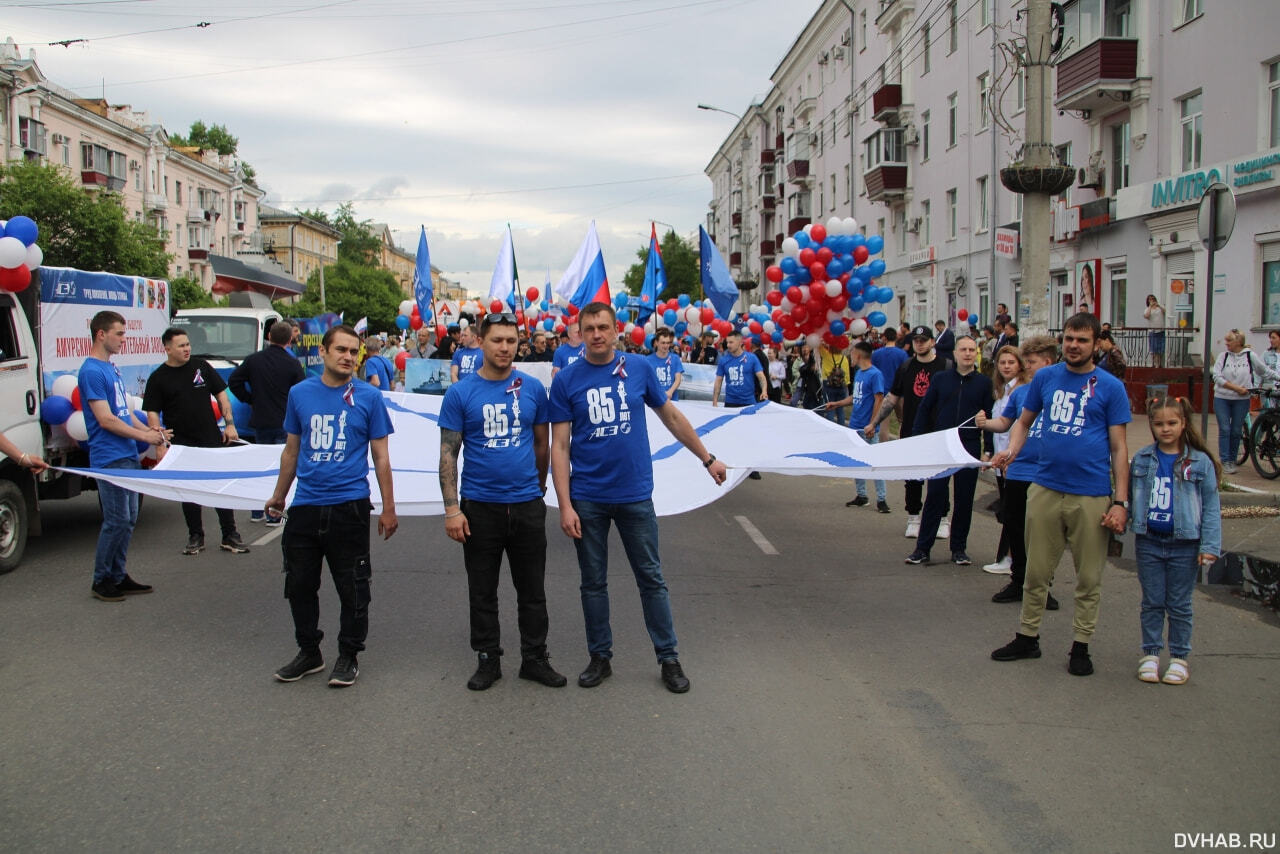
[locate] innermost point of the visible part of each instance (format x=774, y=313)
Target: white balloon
x=76, y=427
x=406, y=307
x=790, y=247
x=806, y=228
x=835, y=225
x=135, y=403
x=464, y=323
x=627, y=329
x=695, y=328
x=813, y=339
x=13, y=252
x=850, y=225
x=786, y=305
x=834, y=287
x=858, y=327
x=64, y=385
x=769, y=326
x=35, y=257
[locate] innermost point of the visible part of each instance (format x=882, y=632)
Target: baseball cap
x=922, y=332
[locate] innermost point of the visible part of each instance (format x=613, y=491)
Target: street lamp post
x=719, y=110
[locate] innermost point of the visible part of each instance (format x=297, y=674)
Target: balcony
x=885, y=154
x=886, y=182
x=805, y=107
x=155, y=201
x=194, y=254
x=95, y=178
x=1105, y=68
x=766, y=248
x=886, y=103
x=735, y=219
x=893, y=13
x=768, y=202
x=798, y=171
x=198, y=214
x=735, y=259
x=767, y=156
x=797, y=223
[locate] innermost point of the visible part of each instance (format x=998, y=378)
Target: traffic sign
x=1217, y=217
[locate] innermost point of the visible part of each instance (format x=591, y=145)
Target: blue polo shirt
x=1028, y=461
x=335, y=426
x=382, y=367
x=867, y=383
x=496, y=420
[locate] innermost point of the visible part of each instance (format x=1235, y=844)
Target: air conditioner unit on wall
x=913, y=225
x=58, y=139
x=838, y=53
x=910, y=135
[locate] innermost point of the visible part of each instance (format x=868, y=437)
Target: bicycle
x=1264, y=436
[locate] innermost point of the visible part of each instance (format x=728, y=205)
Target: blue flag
x=717, y=284
x=655, y=278
x=422, y=291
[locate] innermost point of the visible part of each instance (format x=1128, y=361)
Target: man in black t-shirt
x=910, y=385
x=178, y=393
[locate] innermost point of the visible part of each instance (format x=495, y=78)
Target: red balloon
x=747, y=344
x=622, y=327
x=637, y=335
x=531, y=295
x=495, y=307
x=829, y=340
x=777, y=314
x=825, y=255
x=415, y=322
x=860, y=254
x=559, y=328
x=817, y=290
x=440, y=330
x=842, y=342
x=75, y=397
x=401, y=358
x=15, y=279
x=963, y=314
x=755, y=327
x=807, y=256
x=217, y=413
x=706, y=315
x=799, y=314
x=819, y=272
x=773, y=297
x=573, y=310
x=818, y=233
x=838, y=303
x=795, y=295
x=773, y=273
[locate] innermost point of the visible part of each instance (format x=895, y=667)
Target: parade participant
x=945, y=345
x=378, y=372
x=1010, y=371
x=705, y=353
x=539, y=352
x=889, y=358
x=954, y=398
x=1071, y=503
x=27, y=461
x=666, y=363
x=499, y=418
x=1177, y=530
x=468, y=357
x=741, y=370
x=424, y=346
x=334, y=424
x=114, y=432
x=570, y=350
x=599, y=430
x=866, y=395
x=448, y=344
x=177, y=395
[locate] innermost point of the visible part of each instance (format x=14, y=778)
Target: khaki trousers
x=1056, y=520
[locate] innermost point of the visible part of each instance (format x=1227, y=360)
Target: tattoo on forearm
x=450, y=443
x=885, y=409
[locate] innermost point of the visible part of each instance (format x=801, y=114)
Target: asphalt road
x=841, y=701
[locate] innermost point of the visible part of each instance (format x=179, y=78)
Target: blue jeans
x=638, y=527
x=119, y=515
x=861, y=485
x=1230, y=415
x=1167, y=571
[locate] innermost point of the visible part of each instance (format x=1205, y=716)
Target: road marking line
x=756, y=537
x=268, y=536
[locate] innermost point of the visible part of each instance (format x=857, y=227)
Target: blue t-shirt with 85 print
x=666, y=367
x=1160, y=502
x=1028, y=462
x=468, y=360
x=335, y=426
x=739, y=374
x=1078, y=410
x=496, y=419
x=605, y=404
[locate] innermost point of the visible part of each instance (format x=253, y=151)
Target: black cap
x=922, y=332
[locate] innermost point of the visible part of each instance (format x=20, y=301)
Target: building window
x=821, y=198
x=900, y=226
x=951, y=214
x=984, y=94
x=1020, y=90
x=953, y=121
x=1119, y=295
x=1189, y=9
x=924, y=135
x=953, y=28
x=66, y=160
x=177, y=192
x=987, y=13
x=32, y=137
x=1119, y=156
x=862, y=30
x=1190, y=118
x=1273, y=98
x=799, y=206
x=982, y=203
x=1271, y=284
x=833, y=191
x=848, y=183
x=926, y=232
x=1064, y=157
x=1017, y=207
x=1118, y=21
x=927, y=63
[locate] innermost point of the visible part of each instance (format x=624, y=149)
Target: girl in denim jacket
x=1177, y=521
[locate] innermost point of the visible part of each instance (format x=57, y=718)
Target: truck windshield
x=221, y=337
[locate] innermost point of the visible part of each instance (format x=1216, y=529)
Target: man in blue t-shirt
x=114, y=433
x=598, y=427
x=866, y=393
x=1083, y=412
x=889, y=357
x=468, y=357
x=666, y=363
x=333, y=423
x=739, y=372
x=378, y=371
x=570, y=350
x=500, y=417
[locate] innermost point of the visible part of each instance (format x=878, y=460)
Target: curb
x=1229, y=499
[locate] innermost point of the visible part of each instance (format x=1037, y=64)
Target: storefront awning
x=232, y=275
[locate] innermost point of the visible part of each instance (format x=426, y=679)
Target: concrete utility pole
x=1038, y=152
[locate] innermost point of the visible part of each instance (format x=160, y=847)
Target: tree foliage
x=187, y=292
x=359, y=244
x=679, y=259
x=207, y=138
x=354, y=291
x=88, y=231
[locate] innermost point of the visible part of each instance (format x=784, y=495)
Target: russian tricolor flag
x=585, y=280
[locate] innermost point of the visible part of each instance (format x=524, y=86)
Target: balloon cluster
x=964, y=315
x=683, y=315
x=825, y=287
x=19, y=254
x=62, y=407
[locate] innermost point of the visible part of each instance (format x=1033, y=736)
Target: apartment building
x=298, y=243
x=901, y=113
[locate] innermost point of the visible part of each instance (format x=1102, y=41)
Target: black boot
x=488, y=671
x=1079, y=664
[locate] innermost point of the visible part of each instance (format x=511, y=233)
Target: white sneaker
x=1228, y=468
x=944, y=528
x=1004, y=566
x=913, y=527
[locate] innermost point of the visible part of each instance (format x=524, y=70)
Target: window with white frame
x=1119, y=295
x=981, y=190
x=1188, y=9
x=953, y=119
x=900, y=228
x=1190, y=120
x=832, y=200
x=1020, y=90
x=1119, y=156
x=799, y=206
x=926, y=232
x=986, y=12
x=1273, y=101
x=848, y=185
x=952, y=214
x=926, y=63
x=862, y=30
x=953, y=27
x=984, y=95
x=924, y=135
x=819, y=208
x=1064, y=157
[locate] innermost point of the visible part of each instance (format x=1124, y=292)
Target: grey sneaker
x=195, y=544
x=232, y=543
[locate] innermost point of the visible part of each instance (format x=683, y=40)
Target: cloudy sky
x=462, y=115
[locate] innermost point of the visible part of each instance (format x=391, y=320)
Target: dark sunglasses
x=500, y=317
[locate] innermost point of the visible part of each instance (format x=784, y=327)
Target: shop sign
x=1006, y=245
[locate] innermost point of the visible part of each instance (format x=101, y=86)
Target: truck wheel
x=13, y=526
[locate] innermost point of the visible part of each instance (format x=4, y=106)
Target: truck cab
x=20, y=422
x=226, y=336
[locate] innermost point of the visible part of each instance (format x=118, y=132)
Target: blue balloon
x=803, y=277
x=620, y=300
x=549, y=324
x=683, y=300
x=863, y=273
x=544, y=305
x=788, y=265
x=877, y=318
x=624, y=316
x=834, y=268
x=402, y=322
x=669, y=317
x=854, y=287
x=875, y=244
x=24, y=228
x=680, y=328
x=837, y=327
x=877, y=268
x=974, y=321
x=857, y=240
x=886, y=295
x=803, y=239
x=648, y=341
x=856, y=303
x=56, y=409
x=777, y=337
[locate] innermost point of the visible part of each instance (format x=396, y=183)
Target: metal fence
x=1135, y=343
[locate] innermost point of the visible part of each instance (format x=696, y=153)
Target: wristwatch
x=1124, y=504
x=710, y=459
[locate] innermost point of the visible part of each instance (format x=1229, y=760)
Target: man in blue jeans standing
x=598, y=426
x=114, y=432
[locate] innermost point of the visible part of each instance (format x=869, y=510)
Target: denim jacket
x=1197, y=513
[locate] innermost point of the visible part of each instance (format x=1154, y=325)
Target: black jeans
x=519, y=530
x=1015, y=527
x=339, y=534
x=195, y=524
x=964, y=484
x=915, y=496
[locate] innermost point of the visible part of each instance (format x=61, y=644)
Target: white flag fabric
x=766, y=437
x=504, y=272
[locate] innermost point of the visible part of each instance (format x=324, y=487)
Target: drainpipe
x=993, y=182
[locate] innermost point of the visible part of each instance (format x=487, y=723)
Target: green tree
x=207, y=138
x=88, y=231
x=354, y=291
x=359, y=244
x=679, y=260
x=187, y=292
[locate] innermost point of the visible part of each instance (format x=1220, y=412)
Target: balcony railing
x=798, y=171
x=886, y=102
x=796, y=223
x=735, y=219
x=735, y=259
x=805, y=106
x=768, y=202
x=94, y=178
x=766, y=248
x=155, y=201
x=767, y=156
x=194, y=254
x=1107, y=65
x=886, y=181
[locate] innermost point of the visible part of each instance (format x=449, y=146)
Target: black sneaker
x=1051, y=604
x=274, y=520
x=673, y=676
x=344, y=672
x=303, y=664
x=195, y=544
x=1011, y=592
x=917, y=557
x=1022, y=646
x=1079, y=664
x=129, y=587
x=232, y=543
x=961, y=559
x=883, y=506
x=107, y=591
x=598, y=670
x=860, y=501
x=488, y=671
x=540, y=670
x=755, y=475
